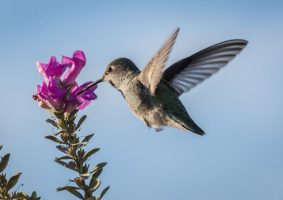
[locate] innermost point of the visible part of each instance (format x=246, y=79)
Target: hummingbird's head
x=118, y=71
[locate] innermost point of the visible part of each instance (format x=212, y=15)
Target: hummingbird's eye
x=108, y=70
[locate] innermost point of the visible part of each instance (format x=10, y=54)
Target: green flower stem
x=75, y=158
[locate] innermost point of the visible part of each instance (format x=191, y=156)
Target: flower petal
x=78, y=89
x=53, y=68
x=51, y=95
x=55, y=89
x=42, y=69
x=72, y=103
x=86, y=97
x=77, y=63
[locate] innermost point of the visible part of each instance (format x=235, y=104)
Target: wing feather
x=189, y=72
x=151, y=75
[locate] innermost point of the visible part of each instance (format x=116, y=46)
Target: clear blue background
x=240, y=108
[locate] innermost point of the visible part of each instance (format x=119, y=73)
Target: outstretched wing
x=189, y=72
x=151, y=75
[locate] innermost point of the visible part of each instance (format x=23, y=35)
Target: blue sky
x=240, y=108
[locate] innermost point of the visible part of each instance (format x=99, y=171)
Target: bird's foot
x=159, y=129
x=147, y=124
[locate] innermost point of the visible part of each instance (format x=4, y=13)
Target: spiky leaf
x=99, y=166
x=80, y=182
x=52, y=122
x=96, y=174
x=62, y=148
x=58, y=132
x=103, y=192
x=82, y=119
x=72, y=190
x=95, y=185
x=73, y=115
x=67, y=165
x=64, y=158
x=4, y=162
x=54, y=139
x=90, y=153
x=87, y=138
x=13, y=181
x=34, y=196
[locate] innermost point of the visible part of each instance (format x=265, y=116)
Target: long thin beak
x=90, y=85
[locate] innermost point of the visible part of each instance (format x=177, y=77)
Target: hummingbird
x=153, y=93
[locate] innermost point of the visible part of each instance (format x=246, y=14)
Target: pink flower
x=53, y=68
x=59, y=93
x=86, y=97
x=51, y=95
x=80, y=101
x=76, y=64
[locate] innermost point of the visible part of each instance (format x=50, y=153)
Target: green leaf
x=99, y=166
x=54, y=139
x=72, y=190
x=90, y=153
x=80, y=182
x=34, y=196
x=96, y=174
x=95, y=185
x=67, y=165
x=72, y=115
x=13, y=181
x=4, y=162
x=87, y=138
x=82, y=119
x=64, y=158
x=94, y=182
x=85, y=168
x=103, y=192
x=81, y=153
x=58, y=132
x=20, y=195
x=62, y=148
x=52, y=122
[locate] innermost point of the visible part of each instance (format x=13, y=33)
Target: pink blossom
x=51, y=94
x=61, y=94
x=53, y=68
x=76, y=64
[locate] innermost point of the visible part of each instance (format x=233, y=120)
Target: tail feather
x=187, y=125
x=194, y=128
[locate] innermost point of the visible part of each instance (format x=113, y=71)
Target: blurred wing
x=151, y=75
x=189, y=72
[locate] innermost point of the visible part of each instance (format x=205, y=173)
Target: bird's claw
x=159, y=129
x=147, y=124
